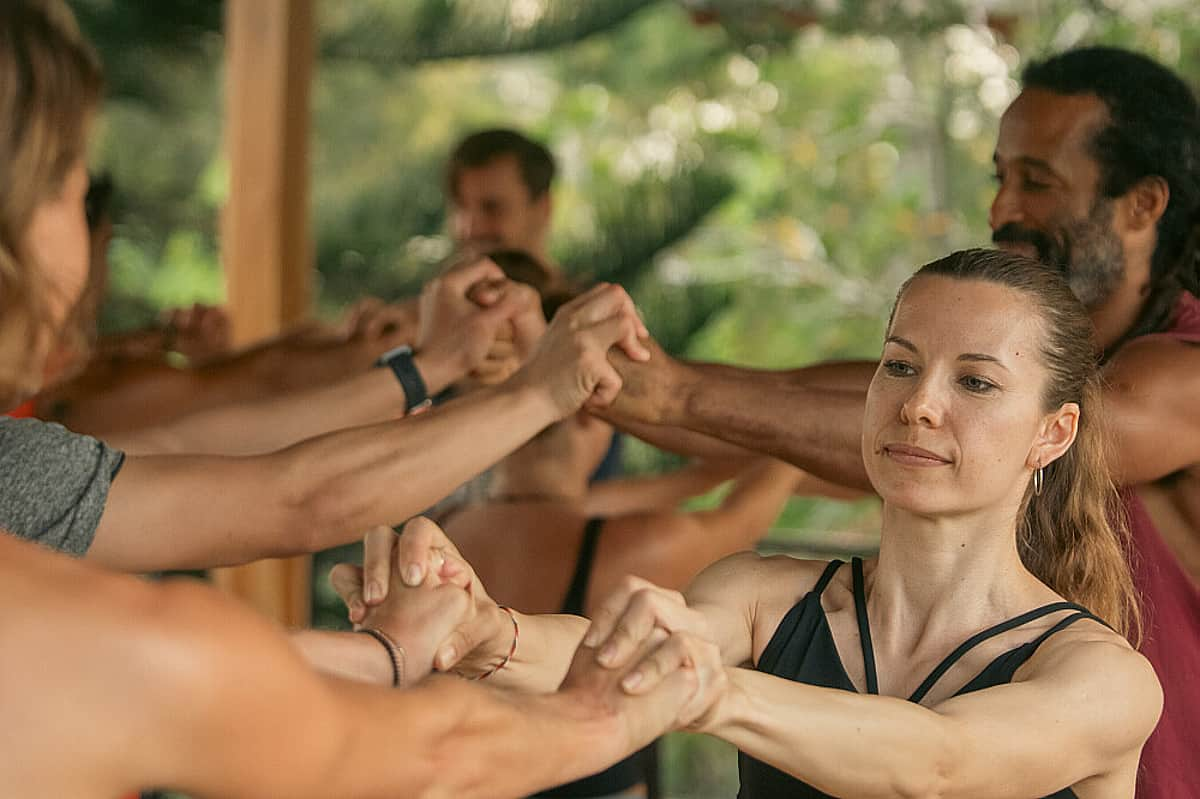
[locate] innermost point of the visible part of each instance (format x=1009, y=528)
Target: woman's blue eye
x=977, y=384
x=898, y=368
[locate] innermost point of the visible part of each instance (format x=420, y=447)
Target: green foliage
x=389, y=34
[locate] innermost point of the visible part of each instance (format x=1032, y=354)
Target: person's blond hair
x=50, y=81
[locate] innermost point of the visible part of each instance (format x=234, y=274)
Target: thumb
x=460, y=642
x=347, y=582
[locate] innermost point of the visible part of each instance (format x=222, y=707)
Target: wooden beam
x=266, y=249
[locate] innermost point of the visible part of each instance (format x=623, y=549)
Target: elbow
x=931, y=772
x=307, y=512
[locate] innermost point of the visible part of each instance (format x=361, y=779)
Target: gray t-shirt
x=53, y=483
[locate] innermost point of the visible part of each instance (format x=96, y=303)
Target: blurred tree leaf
x=388, y=34
x=641, y=219
x=129, y=35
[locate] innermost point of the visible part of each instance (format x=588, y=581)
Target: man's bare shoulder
x=1149, y=408
x=1153, y=363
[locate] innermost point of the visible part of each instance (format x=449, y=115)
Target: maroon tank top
x=1170, y=767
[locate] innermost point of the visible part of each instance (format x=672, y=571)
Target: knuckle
x=630, y=583
x=643, y=600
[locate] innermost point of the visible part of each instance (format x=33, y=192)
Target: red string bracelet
x=512, y=650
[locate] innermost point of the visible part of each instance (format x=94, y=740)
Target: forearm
x=840, y=742
x=453, y=738
x=829, y=375
x=351, y=656
x=679, y=440
x=352, y=480
x=543, y=654
x=188, y=511
x=756, y=499
x=139, y=343
x=809, y=486
x=816, y=429
x=267, y=425
x=250, y=719
x=660, y=492
x=126, y=394
x=311, y=357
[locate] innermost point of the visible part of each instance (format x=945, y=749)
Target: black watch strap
x=400, y=361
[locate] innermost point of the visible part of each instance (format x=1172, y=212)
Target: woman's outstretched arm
x=1080, y=710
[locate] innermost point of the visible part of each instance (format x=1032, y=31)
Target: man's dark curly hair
x=1153, y=129
x=534, y=161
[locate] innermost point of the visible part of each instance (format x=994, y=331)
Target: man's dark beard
x=1050, y=252
x=1086, y=252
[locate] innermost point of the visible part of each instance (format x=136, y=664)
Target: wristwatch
x=400, y=361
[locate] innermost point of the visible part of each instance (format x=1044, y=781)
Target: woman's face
x=57, y=240
x=954, y=414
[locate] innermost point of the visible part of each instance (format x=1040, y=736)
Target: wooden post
x=265, y=246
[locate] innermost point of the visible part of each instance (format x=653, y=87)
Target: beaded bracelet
x=512, y=650
x=394, y=650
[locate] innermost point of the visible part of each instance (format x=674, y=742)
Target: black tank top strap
x=864, y=626
x=576, y=596
x=803, y=614
x=826, y=576
x=1064, y=623
x=996, y=629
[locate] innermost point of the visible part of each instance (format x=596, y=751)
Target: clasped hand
x=435, y=607
x=647, y=634
x=644, y=642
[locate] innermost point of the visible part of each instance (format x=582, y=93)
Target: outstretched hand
x=648, y=385
x=418, y=619
x=423, y=559
x=651, y=708
x=571, y=363
x=197, y=332
x=647, y=634
x=463, y=312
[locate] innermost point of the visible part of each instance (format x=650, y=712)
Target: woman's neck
x=946, y=577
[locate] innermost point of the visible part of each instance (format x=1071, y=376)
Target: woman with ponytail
x=986, y=651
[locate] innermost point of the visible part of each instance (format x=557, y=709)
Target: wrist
x=536, y=396
x=730, y=710
x=681, y=387
x=495, y=646
x=438, y=370
x=494, y=665
x=346, y=655
x=391, y=672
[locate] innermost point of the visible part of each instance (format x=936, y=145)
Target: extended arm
x=127, y=394
x=670, y=548
x=194, y=512
x=1080, y=709
x=201, y=511
x=219, y=704
x=454, y=339
x=811, y=418
x=660, y=492
x=1083, y=712
x=273, y=423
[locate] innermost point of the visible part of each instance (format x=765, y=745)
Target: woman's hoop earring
x=1039, y=480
